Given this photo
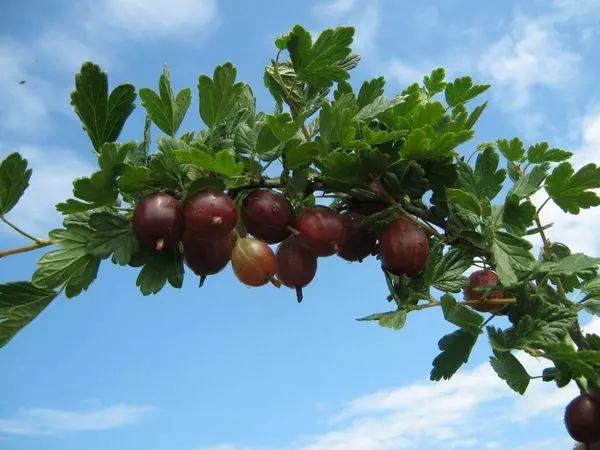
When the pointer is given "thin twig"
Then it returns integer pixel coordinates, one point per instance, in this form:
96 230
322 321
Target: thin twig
18 230
491 301
27 248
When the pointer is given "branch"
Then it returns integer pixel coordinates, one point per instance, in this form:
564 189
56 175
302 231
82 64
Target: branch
547 251
490 301
27 248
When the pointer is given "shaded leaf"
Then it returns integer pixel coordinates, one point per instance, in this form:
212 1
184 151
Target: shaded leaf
20 303
510 369
14 179
456 348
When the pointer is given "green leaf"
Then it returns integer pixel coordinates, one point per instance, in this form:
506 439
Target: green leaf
591 287
266 141
510 369
427 114
71 265
392 319
571 190
113 155
20 303
219 95
456 348
299 156
225 164
166 110
435 83
474 116
465 200
462 90
336 123
540 153
512 150
14 179
512 257
548 327
575 264
370 91
461 315
517 217
101 114
592 306
530 183
580 363
112 236
134 179
488 179
444 271
157 269
283 126
342 167
319 64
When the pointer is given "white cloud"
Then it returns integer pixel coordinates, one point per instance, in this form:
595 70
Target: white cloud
470 410
579 232
152 19
65 51
23 106
334 8
578 8
51 182
35 421
532 54
367 28
405 74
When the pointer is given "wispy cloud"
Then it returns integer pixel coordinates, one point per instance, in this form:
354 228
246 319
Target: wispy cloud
150 19
35 421
334 8
532 54
469 411
364 16
580 231
51 182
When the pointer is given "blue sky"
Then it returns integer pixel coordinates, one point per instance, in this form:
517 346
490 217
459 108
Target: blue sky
232 368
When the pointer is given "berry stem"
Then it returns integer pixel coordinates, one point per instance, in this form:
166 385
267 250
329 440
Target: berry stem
18 230
27 248
293 230
299 295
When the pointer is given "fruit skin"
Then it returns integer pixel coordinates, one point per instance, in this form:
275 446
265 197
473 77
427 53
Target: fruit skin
320 229
253 261
157 221
404 248
358 242
210 215
582 419
479 278
296 265
207 257
268 215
